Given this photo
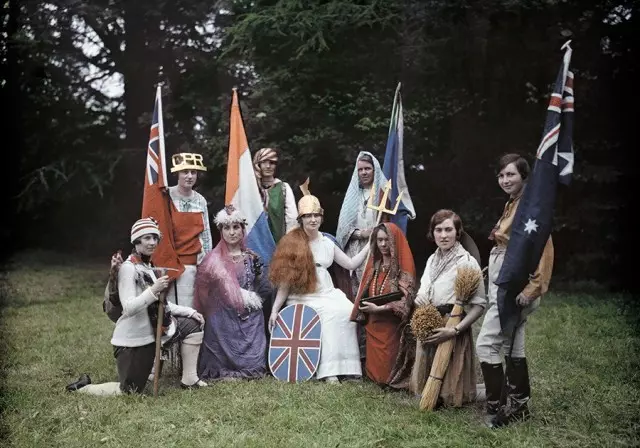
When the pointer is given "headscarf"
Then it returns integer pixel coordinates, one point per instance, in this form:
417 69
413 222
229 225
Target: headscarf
216 284
351 204
402 269
259 157
402 277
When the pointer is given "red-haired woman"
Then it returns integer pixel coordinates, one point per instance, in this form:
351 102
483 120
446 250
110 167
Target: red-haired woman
299 270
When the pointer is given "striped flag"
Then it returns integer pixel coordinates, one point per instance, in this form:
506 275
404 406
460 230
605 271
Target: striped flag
393 167
533 220
155 199
242 188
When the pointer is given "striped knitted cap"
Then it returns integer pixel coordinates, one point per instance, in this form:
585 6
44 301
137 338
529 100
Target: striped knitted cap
143 227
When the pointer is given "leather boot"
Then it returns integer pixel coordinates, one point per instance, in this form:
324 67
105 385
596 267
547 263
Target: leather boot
83 381
519 393
493 381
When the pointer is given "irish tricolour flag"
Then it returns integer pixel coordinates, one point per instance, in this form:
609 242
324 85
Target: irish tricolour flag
242 189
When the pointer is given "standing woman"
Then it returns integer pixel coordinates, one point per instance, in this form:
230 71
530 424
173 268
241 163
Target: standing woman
390 348
277 196
356 220
299 270
230 289
513 171
190 217
437 288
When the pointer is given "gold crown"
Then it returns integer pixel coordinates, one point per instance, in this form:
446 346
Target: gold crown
187 161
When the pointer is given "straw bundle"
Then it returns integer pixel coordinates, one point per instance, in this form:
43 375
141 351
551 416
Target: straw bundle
425 319
466 284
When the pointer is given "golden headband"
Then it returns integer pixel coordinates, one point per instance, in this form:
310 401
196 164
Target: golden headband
187 161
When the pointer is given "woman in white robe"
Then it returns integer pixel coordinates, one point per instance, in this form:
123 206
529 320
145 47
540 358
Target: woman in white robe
299 269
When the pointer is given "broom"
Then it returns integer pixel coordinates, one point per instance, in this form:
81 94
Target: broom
466 284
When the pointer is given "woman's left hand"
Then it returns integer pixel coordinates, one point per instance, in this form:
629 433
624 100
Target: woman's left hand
367 307
441 335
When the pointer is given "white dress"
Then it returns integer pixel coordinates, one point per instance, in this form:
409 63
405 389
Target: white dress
339 354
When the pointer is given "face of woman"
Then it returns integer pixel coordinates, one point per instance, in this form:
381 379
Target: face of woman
445 234
232 234
382 240
187 178
365 173
311 222
268 168
147 244
510 180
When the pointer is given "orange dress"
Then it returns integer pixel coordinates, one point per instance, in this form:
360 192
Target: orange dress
383 333
390 346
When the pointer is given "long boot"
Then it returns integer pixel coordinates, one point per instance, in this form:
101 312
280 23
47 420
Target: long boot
190 350
519 393
493 381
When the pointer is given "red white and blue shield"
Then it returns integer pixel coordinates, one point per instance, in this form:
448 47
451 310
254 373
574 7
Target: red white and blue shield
294 350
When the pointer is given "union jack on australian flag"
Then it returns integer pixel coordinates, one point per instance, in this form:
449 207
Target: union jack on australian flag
533 220
155 200
294 350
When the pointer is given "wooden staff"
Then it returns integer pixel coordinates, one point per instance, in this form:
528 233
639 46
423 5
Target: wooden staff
156 363
380 208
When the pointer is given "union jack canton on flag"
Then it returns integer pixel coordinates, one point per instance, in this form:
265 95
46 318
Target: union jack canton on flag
533 220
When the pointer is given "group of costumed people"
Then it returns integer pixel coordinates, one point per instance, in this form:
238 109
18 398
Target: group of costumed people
221 309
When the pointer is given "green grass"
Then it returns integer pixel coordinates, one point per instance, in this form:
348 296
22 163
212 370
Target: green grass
583 358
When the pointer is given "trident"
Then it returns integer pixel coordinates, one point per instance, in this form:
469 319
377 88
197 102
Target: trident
380 208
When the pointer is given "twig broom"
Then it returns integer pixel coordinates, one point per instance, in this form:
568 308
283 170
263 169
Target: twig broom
466 284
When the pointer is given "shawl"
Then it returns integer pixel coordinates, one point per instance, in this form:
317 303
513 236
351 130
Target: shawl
292 263
441 262
351 204
402 277
216 284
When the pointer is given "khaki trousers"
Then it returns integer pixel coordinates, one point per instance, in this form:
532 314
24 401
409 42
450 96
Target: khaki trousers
491 340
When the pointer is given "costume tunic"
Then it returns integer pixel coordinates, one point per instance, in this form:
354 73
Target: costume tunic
192 234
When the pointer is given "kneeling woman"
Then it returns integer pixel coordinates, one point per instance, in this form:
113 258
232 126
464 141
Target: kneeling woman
299 269
134 334
229 291
389 348
437 289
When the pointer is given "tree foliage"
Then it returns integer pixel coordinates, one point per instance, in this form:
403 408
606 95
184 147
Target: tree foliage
316 80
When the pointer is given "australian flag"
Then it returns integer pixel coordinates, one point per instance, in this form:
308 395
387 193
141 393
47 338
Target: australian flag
534 217
393 167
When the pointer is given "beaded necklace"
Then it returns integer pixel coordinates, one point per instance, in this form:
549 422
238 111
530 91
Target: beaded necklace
384 281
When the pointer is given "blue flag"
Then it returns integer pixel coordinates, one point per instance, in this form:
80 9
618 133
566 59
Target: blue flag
533 220
393 167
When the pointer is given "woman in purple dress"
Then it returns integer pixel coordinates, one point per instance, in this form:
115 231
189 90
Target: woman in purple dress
228 291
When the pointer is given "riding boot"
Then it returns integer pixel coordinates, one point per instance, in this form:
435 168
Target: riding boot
493 381
519 393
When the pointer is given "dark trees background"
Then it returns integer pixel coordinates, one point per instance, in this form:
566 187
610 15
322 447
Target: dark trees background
317 81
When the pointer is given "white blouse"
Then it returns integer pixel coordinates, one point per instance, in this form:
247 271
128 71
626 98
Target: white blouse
441 291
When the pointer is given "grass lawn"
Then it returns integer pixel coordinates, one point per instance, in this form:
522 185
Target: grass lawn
583 357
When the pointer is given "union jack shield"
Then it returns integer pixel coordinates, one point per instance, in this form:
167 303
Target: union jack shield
294 350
